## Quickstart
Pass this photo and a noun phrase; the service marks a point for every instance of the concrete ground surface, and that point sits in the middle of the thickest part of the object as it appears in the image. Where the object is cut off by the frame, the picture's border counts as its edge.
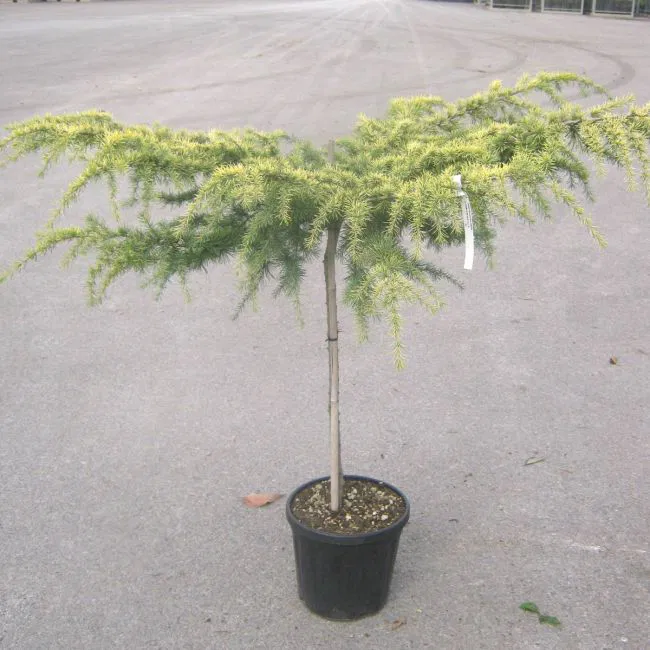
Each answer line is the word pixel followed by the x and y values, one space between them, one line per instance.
pixel 130 432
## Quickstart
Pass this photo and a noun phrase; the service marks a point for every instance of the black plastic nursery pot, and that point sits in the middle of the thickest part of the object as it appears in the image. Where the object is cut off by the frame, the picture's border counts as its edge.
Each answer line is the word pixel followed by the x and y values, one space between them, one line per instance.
pixel 345 577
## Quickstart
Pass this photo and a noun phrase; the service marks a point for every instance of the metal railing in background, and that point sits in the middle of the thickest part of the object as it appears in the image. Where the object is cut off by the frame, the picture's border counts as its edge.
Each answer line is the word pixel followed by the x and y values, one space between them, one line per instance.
pixel 618 7
pixel 511 4
pixel 569 6
pixel 630 8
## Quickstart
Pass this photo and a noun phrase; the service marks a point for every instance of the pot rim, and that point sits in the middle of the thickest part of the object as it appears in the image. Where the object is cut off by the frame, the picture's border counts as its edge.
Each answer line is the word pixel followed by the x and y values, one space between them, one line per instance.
pixel 342 538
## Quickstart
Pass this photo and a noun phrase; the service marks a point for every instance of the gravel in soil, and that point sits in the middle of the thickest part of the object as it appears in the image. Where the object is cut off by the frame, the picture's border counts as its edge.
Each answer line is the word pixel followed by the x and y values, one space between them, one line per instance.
pixel 366 507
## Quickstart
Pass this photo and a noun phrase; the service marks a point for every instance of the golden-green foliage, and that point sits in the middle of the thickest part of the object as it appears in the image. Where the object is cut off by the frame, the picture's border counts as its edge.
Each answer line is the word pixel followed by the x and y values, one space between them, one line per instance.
pixel 267 199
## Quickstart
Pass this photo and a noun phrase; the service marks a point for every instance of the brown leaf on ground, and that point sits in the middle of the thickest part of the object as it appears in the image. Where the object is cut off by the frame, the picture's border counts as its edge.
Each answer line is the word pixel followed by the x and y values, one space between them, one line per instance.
pixel 613 361
pixel 397 623
pixel 259 499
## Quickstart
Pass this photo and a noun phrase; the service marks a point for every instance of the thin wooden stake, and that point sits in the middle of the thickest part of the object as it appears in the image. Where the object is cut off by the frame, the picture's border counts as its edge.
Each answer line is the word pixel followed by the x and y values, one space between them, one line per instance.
pixel 336 478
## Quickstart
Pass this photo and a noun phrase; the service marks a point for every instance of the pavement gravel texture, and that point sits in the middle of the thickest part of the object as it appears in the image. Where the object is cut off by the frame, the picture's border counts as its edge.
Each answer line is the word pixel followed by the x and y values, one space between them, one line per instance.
pixel 130 432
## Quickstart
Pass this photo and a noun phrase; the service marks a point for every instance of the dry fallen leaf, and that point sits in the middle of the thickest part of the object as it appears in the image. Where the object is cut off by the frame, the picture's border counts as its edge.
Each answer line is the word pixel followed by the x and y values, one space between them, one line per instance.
pixel 533 460
pixel 613 361
pixel 259 499
pixel 397 623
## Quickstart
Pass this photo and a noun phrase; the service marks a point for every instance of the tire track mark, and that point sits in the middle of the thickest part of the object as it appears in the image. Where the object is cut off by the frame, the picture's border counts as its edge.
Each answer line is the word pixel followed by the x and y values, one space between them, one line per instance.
pixel 626 71
pixel 368 24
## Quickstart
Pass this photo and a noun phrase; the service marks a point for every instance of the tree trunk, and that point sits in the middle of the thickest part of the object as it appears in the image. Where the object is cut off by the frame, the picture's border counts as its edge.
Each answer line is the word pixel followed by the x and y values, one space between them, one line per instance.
pixel 333 349
pixel 336 474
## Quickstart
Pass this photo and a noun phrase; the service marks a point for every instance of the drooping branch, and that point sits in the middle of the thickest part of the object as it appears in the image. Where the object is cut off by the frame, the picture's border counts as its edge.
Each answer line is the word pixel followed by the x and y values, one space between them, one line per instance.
pixel 269 201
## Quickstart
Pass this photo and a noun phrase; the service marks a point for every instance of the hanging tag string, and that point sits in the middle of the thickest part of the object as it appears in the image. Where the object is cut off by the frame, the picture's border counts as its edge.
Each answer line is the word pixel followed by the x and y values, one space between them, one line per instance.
pixel 468 222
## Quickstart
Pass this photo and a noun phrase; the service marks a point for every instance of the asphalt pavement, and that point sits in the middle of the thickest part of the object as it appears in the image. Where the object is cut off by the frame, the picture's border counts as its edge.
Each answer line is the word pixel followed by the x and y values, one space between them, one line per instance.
pixel 130 432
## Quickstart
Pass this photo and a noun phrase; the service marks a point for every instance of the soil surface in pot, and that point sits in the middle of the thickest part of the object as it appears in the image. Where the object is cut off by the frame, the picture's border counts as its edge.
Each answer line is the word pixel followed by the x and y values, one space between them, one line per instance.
pixel 367 507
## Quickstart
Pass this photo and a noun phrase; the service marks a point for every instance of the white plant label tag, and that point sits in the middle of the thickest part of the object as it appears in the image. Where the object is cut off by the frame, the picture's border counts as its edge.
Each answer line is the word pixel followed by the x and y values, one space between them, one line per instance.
pixel 468 223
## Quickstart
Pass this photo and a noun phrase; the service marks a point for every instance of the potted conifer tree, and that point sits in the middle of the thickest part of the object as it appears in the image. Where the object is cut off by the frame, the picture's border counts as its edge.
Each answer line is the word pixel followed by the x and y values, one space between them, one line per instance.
pixel 374 202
